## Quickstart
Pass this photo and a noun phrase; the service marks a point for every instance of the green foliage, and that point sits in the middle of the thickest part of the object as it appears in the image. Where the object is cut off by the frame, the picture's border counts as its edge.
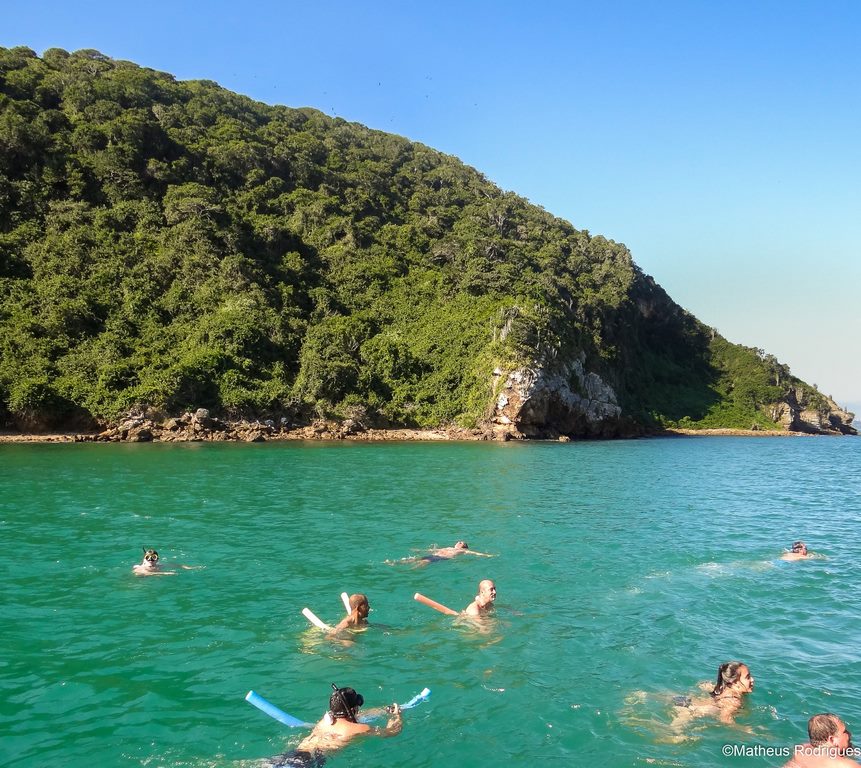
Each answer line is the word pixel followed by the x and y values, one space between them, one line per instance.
pixel 176 245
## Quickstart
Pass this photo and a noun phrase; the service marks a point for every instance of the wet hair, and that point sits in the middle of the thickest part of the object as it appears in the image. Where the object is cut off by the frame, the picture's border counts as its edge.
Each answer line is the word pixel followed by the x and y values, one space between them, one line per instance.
pixel 343 703
pixel 728 674
pixel 798 546
pixel 822 727
pixel 461 545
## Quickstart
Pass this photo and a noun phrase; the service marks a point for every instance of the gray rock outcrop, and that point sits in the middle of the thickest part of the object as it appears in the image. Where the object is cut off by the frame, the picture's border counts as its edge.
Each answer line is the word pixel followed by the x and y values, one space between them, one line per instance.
pixel 537 403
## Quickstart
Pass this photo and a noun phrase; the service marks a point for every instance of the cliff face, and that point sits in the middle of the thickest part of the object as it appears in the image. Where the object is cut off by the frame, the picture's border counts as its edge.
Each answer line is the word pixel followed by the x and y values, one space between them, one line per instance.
pixel 573 402
pixel 796 413
pixel 534 403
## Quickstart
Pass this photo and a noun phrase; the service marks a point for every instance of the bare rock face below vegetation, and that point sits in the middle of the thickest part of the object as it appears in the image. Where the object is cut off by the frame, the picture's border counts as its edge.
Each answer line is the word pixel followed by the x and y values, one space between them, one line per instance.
pixel 575 403
pixel 797 414
pixel 534 403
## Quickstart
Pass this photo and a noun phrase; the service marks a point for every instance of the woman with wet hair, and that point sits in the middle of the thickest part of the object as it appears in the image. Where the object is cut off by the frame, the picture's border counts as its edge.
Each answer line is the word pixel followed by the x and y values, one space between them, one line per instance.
pixel 733 679
pixel 726 696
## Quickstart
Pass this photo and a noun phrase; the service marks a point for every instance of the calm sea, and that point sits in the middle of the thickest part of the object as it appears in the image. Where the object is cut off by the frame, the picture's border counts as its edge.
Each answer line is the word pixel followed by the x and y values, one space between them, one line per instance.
pixel 627 571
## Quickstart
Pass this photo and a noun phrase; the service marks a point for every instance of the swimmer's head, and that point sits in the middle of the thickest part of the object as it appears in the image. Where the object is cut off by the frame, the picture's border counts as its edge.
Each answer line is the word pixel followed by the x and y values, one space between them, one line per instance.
pixel 461 545
pixel 799 547
pixel 487 590
pixel 828 730
pixel 150 556
pixel 360 604
pixel 344 703
pixel 733 676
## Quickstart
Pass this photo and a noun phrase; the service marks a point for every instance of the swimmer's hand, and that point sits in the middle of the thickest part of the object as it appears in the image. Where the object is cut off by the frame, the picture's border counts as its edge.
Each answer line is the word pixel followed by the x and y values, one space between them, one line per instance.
pixel 394 725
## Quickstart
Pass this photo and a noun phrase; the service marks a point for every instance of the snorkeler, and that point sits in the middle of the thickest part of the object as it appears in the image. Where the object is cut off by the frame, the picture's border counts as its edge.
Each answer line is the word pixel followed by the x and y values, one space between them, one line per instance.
pixel 443 553
pixel 830 743
pixel 483 602
pixel 726 696
pixel 798 552
pixel 358 617
pixel 150 565
pixel 337 728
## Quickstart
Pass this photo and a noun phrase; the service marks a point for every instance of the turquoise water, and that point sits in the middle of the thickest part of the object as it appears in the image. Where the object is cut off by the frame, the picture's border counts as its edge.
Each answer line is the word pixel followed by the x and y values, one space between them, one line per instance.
pixel 622 567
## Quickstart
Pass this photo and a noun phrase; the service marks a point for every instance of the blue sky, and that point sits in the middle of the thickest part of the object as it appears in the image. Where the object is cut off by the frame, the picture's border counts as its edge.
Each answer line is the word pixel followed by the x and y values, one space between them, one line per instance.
pixel 718 141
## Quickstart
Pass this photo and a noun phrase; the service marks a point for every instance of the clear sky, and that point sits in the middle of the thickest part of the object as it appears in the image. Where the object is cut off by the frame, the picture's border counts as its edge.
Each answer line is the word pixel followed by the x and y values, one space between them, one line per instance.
pixel 720 141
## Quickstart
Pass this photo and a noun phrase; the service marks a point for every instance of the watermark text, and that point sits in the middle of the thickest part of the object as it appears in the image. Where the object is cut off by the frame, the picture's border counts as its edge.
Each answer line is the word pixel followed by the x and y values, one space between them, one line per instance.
pixel 799 750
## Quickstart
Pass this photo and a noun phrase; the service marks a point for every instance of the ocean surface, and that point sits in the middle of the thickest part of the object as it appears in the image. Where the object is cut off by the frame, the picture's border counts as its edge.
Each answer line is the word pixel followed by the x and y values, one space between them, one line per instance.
pixel 627 572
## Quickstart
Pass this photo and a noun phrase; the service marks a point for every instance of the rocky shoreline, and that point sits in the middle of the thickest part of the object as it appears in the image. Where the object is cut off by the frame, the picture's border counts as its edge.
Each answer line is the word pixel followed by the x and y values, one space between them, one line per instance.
pixel 201 427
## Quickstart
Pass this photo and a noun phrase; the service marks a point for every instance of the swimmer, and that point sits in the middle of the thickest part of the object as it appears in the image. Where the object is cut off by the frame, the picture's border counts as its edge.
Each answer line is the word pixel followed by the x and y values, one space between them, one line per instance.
pixel 359 610
pixel 338 727
pixel 443 553
pixel 483 603
pixel 150 565
pixel 798 552
pixel 830 743
pixel 726 696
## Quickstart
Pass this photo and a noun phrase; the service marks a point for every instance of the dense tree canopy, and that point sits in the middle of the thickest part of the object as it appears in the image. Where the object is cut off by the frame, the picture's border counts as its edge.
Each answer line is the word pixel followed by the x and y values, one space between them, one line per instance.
pixel 174 245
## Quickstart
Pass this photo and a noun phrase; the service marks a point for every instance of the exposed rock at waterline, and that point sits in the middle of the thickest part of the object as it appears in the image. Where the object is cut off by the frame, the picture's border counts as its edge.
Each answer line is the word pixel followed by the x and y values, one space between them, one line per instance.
pixel 535 403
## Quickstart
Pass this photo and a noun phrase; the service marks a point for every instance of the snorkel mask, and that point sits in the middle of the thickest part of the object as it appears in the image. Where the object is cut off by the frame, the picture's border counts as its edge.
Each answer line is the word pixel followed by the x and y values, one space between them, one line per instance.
pixel 340 695
pixel 151 556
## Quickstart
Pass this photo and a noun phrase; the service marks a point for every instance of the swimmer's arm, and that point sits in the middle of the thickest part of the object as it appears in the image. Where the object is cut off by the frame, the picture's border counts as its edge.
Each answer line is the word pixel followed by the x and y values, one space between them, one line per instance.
pixel 348 622
pixel 156 573
pixel 477 554
pixel 393 727
pixel 377 712
pixel 368 714
pixel 166 564
pixel 340 626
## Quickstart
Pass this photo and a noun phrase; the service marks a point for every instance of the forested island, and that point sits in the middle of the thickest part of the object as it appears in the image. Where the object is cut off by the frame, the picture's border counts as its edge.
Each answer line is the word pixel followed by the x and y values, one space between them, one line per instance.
pixel 168 247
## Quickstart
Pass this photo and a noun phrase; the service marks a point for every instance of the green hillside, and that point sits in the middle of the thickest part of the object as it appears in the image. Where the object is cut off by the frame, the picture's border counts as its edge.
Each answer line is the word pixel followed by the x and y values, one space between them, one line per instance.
pixel 173 245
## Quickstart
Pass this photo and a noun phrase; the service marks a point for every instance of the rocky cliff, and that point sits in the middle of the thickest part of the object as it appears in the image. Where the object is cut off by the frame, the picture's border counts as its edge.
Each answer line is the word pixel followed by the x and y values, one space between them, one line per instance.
pixel 574 402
